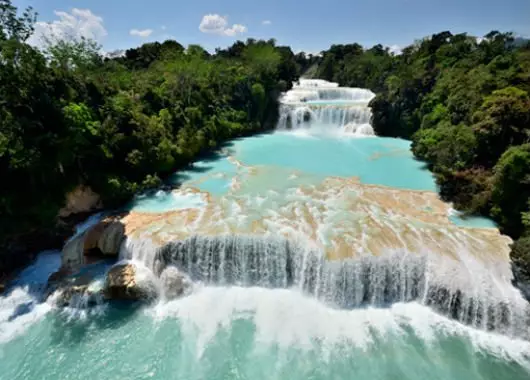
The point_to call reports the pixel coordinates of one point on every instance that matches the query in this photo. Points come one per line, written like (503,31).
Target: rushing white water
(22,305)
(466,291)
(313,103)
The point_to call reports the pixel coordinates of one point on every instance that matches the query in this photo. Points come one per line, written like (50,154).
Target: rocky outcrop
(78,296)
(100,241)
(520,256)
(174,283)
(81,200)
(79,290)
(123,283)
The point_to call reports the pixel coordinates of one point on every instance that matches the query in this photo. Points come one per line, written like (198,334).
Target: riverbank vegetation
(465,104)
(70,116)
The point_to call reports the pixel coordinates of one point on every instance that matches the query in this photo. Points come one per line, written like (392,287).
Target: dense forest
(465,104)
(69,116)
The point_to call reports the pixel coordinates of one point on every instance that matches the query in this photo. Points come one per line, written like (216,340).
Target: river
(319,251)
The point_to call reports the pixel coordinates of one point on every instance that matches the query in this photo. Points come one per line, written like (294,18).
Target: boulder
(106,236)
(81,200)
(78,290)
(56,279)
(124,283)
(175,283)
(78,296)
(102,239)
(113,235)
(73,258)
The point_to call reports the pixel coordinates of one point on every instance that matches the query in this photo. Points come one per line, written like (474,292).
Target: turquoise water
(376,161)
(258,334)
(472,221)
(313,157)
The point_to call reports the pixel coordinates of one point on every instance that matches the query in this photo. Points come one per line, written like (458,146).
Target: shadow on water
(70,329)
(176,179)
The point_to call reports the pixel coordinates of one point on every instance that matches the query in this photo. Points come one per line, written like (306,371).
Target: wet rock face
(520,256)
(100,241)
(66,290)
(79,296)
(106,237)
(175,284)
(123,283)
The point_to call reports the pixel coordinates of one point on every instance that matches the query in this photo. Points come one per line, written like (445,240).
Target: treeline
(69,116)
(465,104)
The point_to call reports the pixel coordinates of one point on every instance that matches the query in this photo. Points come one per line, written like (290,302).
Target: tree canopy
(69,116)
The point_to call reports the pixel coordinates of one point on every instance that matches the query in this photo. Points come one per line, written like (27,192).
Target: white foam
(319,104)
(287,318)
(20,307)
(18,311)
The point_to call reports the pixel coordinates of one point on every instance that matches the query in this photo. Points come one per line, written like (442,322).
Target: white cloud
(216,24)
(144,33)
(395,49)
(266,22)
(70,25)
(163,27)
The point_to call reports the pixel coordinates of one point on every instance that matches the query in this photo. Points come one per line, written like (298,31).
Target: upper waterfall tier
(318,104)
(308,90)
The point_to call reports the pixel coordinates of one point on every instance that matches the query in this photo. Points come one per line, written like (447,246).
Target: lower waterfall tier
(471,295)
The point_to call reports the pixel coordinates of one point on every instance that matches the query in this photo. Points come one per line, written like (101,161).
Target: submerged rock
(78,296)
(124,283)
(175,283)
(80,290)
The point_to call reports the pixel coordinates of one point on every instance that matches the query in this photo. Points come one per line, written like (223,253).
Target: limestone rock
(110,240)
(175,283)
(78,296)
(79,290)
(68,294)
(83,199)
(56,279)
(123,283)
(73,256)
(104,238)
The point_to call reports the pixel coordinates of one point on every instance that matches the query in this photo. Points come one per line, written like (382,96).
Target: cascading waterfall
(316,103)
(481,300)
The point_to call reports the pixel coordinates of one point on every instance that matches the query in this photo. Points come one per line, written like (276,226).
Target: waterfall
(314,104)
(482,301)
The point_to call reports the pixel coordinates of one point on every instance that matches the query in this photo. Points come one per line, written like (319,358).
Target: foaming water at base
(22,305)
(286,318)
(467,289)
(257,333)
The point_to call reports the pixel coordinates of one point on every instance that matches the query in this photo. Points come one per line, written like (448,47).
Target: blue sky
(308,25)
